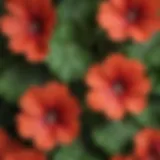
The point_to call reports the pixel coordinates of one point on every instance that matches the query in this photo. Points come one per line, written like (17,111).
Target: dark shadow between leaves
(89,121)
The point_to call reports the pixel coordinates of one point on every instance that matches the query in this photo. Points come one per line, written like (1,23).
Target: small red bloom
(25,154)
(29,26)
(10,149)
(122,19)
(50,115)
(4,143)
(116,86)
(147,144)
(7,144)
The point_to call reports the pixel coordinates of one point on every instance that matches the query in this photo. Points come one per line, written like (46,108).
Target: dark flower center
(119,88)
(54,116)
(51,117)
(36,27)
(154,151)
(135,13)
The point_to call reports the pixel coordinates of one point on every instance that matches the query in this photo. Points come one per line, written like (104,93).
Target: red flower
(4,143)
(11,150)
(50,115)
(29,26)
(147,144)
(25,154)
(116,86)
(122,19)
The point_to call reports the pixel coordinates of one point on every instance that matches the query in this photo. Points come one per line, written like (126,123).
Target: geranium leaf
(17,76)
(114,136)
(67,59)
(147,52)
(150,116)
(74,152)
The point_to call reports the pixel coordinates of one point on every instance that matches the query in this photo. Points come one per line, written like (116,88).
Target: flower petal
(135,105)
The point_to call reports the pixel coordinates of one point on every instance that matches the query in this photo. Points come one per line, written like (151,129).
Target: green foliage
(150,117)
(147,52)
(113,137)
(17,75)
(79,11)
(67,59)
(74,152)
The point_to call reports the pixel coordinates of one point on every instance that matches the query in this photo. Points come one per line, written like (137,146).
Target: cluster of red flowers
(50,114)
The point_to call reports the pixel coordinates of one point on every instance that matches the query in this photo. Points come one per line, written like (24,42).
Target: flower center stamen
(51,118)
(35,27)
(133,14)
(118,88)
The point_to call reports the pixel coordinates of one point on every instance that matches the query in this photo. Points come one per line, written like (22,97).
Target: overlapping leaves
(68,59)
(17,75)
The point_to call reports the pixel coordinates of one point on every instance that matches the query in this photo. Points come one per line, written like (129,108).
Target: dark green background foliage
(76,44)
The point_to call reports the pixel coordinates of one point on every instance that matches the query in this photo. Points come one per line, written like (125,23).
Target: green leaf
(146,52)
(82,17)
(70,56)
(156,88)
(70,53)
(150,116)
(17,76)
(67,59)
(154,59)
(74,152)
(77,10)
(155,80)
(114,136)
